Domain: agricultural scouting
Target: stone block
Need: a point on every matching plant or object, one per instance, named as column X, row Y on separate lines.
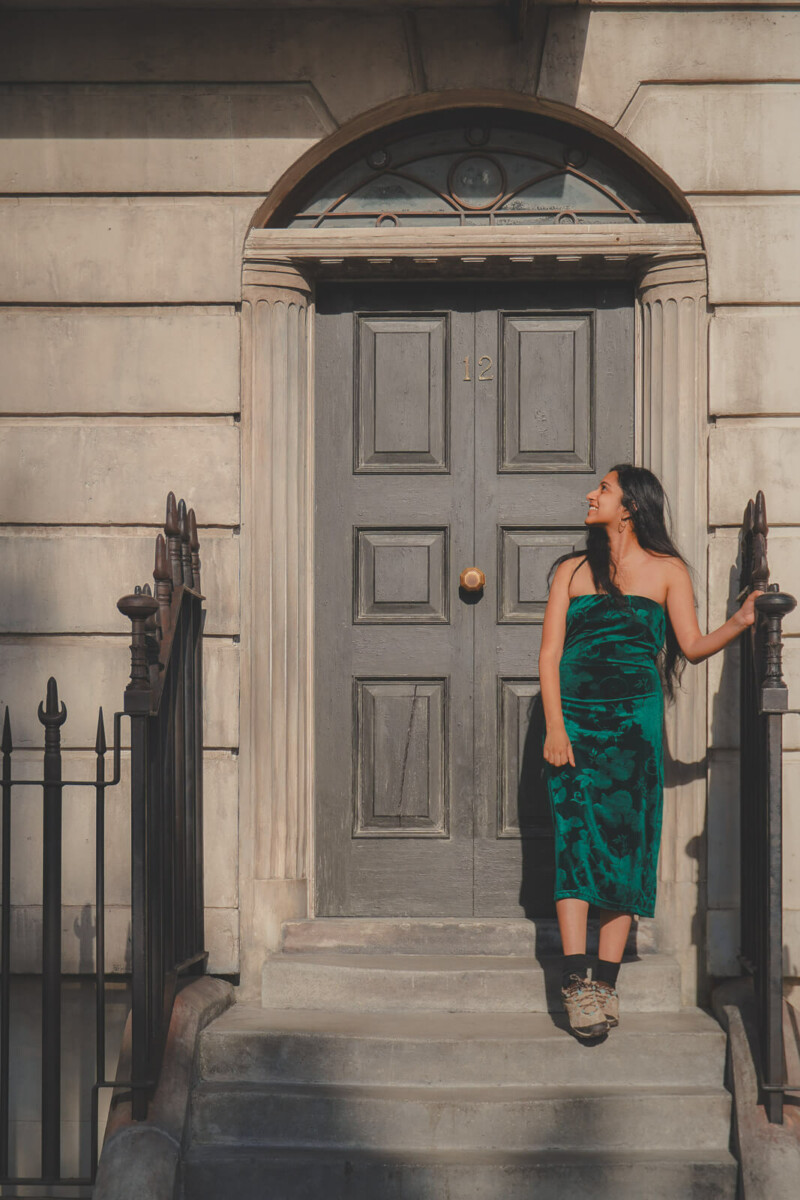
column 356, row 60
column 93, row 671
column 78, row 837
column 68, row 580
column 123, row 250
column 753, row 245
column 723, row 940
column 653, row 45
column 753, row 361
column 110, row 360
column 221, row 830
column 791, row 949
column 791, row 830
column 745, row 456
column 725, row 137
column 78, row 1009
column 222, row 940
column 473, row 51
column 783, row 548
column 115, row 472
column 723, row 830
column 723, row 696
column 155, row 137
column 220, row 821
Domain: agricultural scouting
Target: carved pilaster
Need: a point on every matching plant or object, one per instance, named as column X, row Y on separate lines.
column 276, row 579
column 673, row 323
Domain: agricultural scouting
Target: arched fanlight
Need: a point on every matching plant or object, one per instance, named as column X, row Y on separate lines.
column 480, row 172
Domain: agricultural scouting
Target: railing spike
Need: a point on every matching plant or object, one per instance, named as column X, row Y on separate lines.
column 749, row 516
column 50, row 715
column 760, row 514
column 100, row 741
column 186, row 552
column 6, row 745
column 52, row 696
column 172, row 529
column 145, row 590
column 161, row 569
column 163, row 580
column 194, row 545
column 137, row 591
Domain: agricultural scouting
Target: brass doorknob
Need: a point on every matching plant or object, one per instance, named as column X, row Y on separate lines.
column 472, row 579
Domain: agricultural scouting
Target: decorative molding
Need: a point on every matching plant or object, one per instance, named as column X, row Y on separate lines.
column 276, row 549
column 312, row 247
column 277, row 426
column 672, row 294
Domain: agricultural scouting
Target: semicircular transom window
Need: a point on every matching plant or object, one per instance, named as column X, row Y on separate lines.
column 480, row 175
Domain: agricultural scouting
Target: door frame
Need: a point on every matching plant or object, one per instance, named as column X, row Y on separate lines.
column 281, row 266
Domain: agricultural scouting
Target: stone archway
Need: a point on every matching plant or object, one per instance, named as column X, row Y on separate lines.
column 281, row 266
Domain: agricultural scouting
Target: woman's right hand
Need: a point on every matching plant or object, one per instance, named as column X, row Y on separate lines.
column 558, row 748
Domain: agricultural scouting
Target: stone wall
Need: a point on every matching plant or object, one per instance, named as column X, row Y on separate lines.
column 137, row 144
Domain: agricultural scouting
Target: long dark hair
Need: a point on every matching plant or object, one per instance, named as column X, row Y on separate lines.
column 646, row 501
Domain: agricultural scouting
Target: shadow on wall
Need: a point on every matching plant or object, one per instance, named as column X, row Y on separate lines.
column 723, row 934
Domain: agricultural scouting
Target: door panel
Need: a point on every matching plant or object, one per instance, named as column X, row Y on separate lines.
column 394, row 526
column 455, row 426
column 402, row 394
column 557, row 415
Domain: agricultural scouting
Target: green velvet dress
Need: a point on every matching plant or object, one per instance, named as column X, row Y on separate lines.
column 607, row 808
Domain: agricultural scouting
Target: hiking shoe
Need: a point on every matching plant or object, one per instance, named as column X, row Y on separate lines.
column 608, row 1001
column 586, row 1018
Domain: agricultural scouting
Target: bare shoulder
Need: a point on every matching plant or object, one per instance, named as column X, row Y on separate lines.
column 675, row 573
column 565, row 573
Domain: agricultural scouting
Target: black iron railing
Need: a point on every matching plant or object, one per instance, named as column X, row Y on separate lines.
column 763, row 702
column 164, row 701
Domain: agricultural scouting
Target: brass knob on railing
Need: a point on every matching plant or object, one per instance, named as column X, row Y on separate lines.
column 472, row 579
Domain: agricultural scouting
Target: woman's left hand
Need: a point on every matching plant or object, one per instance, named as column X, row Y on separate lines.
column 746, row 615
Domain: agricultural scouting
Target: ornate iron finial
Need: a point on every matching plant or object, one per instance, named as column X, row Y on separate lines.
column 186, row 551
column 773, row 606
column 6, row 745
column 52, row 715
column 137, row 608
column 173, row 531
column 163, row 581
column 759, row 573
column 100, row 740
column 194, row 545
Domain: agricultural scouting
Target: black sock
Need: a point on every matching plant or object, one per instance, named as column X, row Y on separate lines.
column 606, row 972
column 574, row 964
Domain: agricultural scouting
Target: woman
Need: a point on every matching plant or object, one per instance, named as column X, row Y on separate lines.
column 616, row 611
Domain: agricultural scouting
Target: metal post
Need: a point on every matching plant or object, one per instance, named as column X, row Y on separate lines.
column 139, row 608
column 52, row 717
column 100, row 902
column 5, row 961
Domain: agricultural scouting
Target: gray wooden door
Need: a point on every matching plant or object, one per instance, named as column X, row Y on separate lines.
column 456, row 426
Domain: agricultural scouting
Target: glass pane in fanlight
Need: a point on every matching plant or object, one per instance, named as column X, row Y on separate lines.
column 551, row 217
column 391, row 193
column 560, row 192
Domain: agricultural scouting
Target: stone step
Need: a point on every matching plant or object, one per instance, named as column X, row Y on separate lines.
column 214, row 1173
column 401, row 1120
column 437, row 1049
column 444, row 935
column 449, row 983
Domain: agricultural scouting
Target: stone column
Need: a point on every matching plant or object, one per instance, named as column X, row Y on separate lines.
column 674, row 430
column 276, row 736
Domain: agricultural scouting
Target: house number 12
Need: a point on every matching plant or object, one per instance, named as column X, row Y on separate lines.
column 484, row 369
